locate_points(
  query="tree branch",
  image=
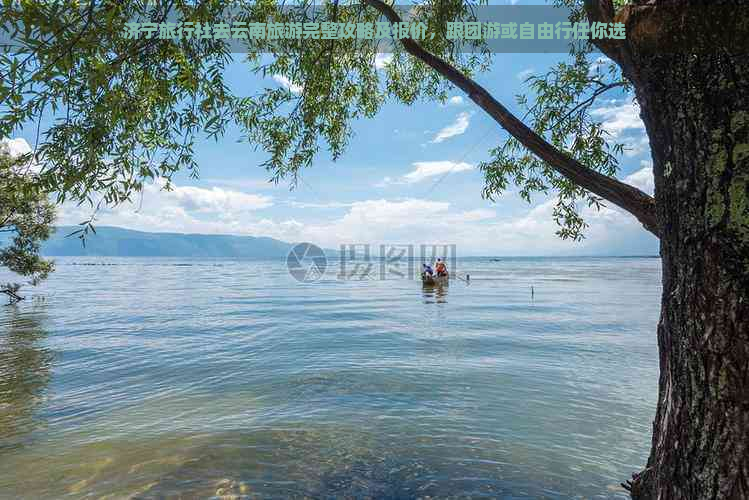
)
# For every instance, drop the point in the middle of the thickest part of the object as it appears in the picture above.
(617, 50)
(587, 103)
(12, 295)
(621, 194)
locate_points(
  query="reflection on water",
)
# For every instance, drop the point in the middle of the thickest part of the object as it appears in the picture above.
(24, 373)
(157, 379)
(435, 293)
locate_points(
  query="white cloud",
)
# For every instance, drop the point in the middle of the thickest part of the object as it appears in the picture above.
(426, 169)
(19, 147)
(476, 215)
(637, 145)
(457, 128)
(288, 84)
(643, 178)
(331, 204)
(216, 200)
(15, 147)
(391, 221)
(476, 231)
(599, 65)
(246, 184)
(618, 118)
(455, 100)
(611, 231)
(385, 182)
(397, 213)
(382, 60)
(183, 209)
(525, 74)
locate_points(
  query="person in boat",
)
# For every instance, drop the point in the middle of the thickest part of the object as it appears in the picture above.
(427, 270)
(441, 268)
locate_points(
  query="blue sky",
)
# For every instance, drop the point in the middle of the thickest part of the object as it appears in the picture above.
(408, 176)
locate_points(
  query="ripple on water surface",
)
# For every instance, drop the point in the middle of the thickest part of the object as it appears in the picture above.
(154, 378)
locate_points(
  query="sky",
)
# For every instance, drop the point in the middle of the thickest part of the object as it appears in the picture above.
(409, 176)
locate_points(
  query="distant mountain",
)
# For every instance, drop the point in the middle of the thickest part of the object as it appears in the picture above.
(118, 242)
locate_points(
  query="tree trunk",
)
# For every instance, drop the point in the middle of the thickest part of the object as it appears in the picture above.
(689, 63)
(695, 105)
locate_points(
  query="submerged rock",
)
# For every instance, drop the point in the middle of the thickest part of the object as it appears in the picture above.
(229, 489)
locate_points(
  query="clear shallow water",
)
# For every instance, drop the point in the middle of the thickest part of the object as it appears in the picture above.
(159, 378)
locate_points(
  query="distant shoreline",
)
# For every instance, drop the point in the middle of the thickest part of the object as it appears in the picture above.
(116, 242)
(359, 258)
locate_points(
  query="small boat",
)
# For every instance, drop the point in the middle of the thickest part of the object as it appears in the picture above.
(434, 280)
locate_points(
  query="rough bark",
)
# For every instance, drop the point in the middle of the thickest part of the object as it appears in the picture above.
(700, 150)
(695, 105)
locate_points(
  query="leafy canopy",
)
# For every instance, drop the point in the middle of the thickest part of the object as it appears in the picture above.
(26, 219)
(126, 111)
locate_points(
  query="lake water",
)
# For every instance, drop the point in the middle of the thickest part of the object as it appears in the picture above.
(166, 378)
